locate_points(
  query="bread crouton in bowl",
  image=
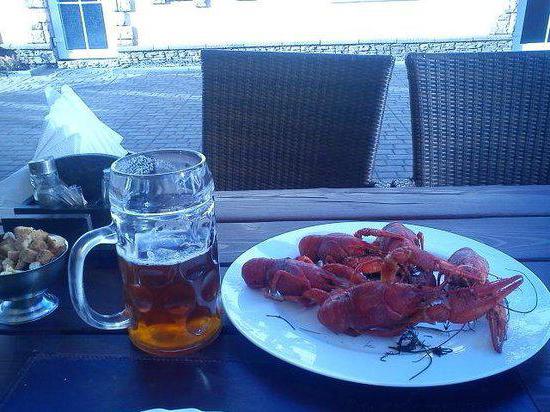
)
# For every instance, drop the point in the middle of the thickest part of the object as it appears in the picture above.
(31, 260)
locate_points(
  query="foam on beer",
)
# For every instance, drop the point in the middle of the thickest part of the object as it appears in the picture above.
(142, 165)
(155, 255)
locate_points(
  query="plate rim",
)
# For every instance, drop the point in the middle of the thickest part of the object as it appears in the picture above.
(336, 375)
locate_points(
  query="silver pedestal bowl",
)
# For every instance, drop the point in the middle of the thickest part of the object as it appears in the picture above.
(23, 296)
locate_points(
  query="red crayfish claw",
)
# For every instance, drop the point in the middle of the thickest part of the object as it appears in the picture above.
(468, 304)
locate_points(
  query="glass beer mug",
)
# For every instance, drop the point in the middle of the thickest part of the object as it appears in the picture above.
(164, 229)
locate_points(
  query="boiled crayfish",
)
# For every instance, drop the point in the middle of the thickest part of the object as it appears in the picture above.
(297, 280)
(334, 247)
(387, 309)
(406, 293)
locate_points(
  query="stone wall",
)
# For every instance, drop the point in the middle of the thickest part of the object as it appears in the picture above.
(131, 54)
(40, 50)
(506, 22)
(397, 49)
(36, 56)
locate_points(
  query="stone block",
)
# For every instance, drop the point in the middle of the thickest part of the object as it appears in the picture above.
(38, 37)
(124, 5)
(125, 33)
(121, 18)
(170, 54)
(448, 46)
(39, 15)
(201, 3)
(125, 42)
(35, 4)
(397, 50)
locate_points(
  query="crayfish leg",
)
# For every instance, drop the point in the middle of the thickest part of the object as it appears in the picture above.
(305, 259)
(420, 237)
(498, 324)
(313, 297)
(343, 272)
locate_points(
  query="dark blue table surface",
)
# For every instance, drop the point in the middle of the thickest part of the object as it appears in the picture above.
(59, 363)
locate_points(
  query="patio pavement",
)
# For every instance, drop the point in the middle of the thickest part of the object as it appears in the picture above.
(159, 108)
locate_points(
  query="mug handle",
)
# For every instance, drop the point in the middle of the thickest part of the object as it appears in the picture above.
(81, 248)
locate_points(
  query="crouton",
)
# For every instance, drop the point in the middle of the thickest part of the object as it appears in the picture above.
(38, 245)
(22, 243)
(8, 263)
(13, 255)
(28, 249)
(28, 255)
(22, 231)
(8, 235)
(39, 234)
(6, 246)
(44, 257)
(56, 244)
(21, 264)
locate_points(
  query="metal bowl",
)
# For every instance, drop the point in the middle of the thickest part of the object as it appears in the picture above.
(23, 296)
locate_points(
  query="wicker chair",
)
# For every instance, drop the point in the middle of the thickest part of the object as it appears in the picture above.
(480, 118)
(291, 120)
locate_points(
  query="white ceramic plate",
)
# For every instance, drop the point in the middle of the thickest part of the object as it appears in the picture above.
(311, 346)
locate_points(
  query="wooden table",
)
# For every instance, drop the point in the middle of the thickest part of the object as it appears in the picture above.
(64, 364)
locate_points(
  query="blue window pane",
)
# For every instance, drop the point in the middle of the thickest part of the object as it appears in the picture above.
(95, 26)
(72, 25)
(535, 22)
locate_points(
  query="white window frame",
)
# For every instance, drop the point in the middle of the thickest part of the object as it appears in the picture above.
(110, 30)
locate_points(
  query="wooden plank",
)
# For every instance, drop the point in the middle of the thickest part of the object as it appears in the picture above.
(525, 238)
(231, 363)
(383, 204)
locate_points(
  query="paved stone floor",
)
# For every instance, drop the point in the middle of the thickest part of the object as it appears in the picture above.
(159, 107)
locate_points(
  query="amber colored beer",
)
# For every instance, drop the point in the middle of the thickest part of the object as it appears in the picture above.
(174, 308)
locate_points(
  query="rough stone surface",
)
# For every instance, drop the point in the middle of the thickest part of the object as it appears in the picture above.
(124, 5)
(398, 49)
(201, 3)
(40, 14)
(35, 4)
(36, 56)
(39, 33)
(160, 108)
(121, 18)
(38, 36)
(185, 57)
(507, 20)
